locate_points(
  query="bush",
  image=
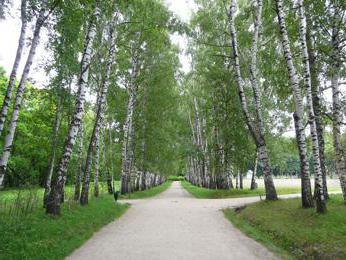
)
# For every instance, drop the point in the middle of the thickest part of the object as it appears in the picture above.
(176, 178)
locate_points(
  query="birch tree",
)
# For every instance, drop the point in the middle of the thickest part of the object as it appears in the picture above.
(42, 17)
(94, 140)
(79, 171)
(17, 59)
(335, 70)
(54, 200)
(57, 123)
(126, 151)
(307, 201)
(255, 126)
(320, 199)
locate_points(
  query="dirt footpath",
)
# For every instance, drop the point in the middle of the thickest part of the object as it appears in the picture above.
(173, 225)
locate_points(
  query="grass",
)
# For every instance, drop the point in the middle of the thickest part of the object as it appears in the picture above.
(176, 178)
(12, 193)
(148, 193)
(203, 193)
(293, 232)
(39, 236)
(28, 233)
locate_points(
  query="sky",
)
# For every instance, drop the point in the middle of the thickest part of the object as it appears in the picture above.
(10, 28)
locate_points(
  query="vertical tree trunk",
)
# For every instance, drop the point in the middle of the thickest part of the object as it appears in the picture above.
(111, 187)
(94, 139)
(254, 173)
(206, 156)
(79, 172)
(7, 98)
(53, 206)
(255, 128)
(199, 143)
(317, 109)
(143, 169)
(126, 152)
(97, 168)
(307, 200)
(340, 162)
(237, 180)
(54, 146)
(19, 96)
(105, 161)
(320, 199)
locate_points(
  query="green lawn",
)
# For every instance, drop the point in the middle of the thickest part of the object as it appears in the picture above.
(176, 178)
(38, 236)
(203, 193)
(292, 232)
(26, 232)
(10, 195)
(148, 193)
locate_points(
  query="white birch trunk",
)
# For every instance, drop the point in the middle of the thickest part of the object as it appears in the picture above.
(13, 75)
(79, 173)
(254, 173)
(320, 199)
(94, 140)
(307, 201)
(340, 162)
(255, 127)
(53, 206)
(54, 145)
(110, 148)
(19, 96)
(126, 152)
(97, 167)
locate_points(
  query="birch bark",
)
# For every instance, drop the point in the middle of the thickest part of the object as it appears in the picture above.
(126, 152)
(255, 127)
(315, 93)
(94, 140)
(111, 187)
(54, 145)
(340, 162)
(97, 166)
(53, 206)
(320, 199)
(19, 95)
(254, 173)
(79, 172)
(7, 98)
(307, 200)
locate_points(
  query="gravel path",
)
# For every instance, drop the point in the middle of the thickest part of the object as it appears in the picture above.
(173, 225)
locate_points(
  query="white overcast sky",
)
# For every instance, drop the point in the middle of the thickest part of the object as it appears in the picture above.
(10, 28)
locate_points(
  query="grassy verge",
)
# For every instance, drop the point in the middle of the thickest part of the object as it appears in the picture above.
(12, 193)
(176, 178)
(38, 236)
(148, 193)
(203, 193)
(292, 232)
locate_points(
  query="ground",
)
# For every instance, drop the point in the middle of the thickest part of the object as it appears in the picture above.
(174, 225)
(290, 230)
(283, 186)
